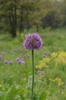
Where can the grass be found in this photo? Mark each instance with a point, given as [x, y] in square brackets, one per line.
[50, 60]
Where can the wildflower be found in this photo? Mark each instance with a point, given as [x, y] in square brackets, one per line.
[45, 53]
[3, 53]
[46, 60]
[6, 62]
[17, 59]
[0, 57]
[58, 80]
[28, 56]
[10, 62]
[33, 41]
[22, 61]
[54, 54]
[49, 54]
[40, 72]
[44, 56]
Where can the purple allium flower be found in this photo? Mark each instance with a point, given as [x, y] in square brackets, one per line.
[44, 56]
[10, 62]
[45, 53]
[33, 41]
[6, 62]
[22, 61]
[3, 53]
[17, 59]
[49, 54]
[28, 56]
[0, 57]
[40, 72]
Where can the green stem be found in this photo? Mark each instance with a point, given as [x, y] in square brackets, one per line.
[32, 74]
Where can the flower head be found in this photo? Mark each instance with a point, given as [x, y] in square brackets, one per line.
[17, 59]
[0, 57]
[40, 72]
[3, 53]
[33, 41]
[10, 62]
[28, 56]
[6, 62]
[23, 61]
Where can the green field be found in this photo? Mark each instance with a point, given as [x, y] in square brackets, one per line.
[50, 66]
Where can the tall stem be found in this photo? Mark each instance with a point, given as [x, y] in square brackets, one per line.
[32, 74]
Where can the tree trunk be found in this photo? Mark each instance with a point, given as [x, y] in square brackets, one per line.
[13, 20]
[14, 32]
[37, 28]
[21, 21]
[21, 25]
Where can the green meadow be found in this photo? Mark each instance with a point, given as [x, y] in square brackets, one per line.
[50, 66]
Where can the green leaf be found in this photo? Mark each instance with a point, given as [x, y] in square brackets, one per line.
[1, 93]
[10, 93]
[35, 97]
[22, 97]
[43, 96]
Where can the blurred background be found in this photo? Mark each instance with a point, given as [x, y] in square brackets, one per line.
[18, 15]
[18, 18]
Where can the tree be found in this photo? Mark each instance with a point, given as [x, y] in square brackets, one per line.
[9, 13]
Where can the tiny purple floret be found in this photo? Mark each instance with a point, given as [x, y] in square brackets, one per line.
[28, 56]
[23, 61]
[49, 54]
[40, 72]
[6, 62]
[44, 56]
[45, 53]
[3, 53]
[17, 59]
[10, 62]
[33, 41]
[0, 57]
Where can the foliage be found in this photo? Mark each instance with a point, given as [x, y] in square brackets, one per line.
[15, 77]
[22, 14]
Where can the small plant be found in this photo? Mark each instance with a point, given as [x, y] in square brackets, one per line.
[33, 41]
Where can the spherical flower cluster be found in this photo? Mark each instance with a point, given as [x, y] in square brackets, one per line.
[3, 53]
[10, 62]
[40, 72]
[33, 41]
[20, 61]
[6, 62]
[28, 56]
[0, 57]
